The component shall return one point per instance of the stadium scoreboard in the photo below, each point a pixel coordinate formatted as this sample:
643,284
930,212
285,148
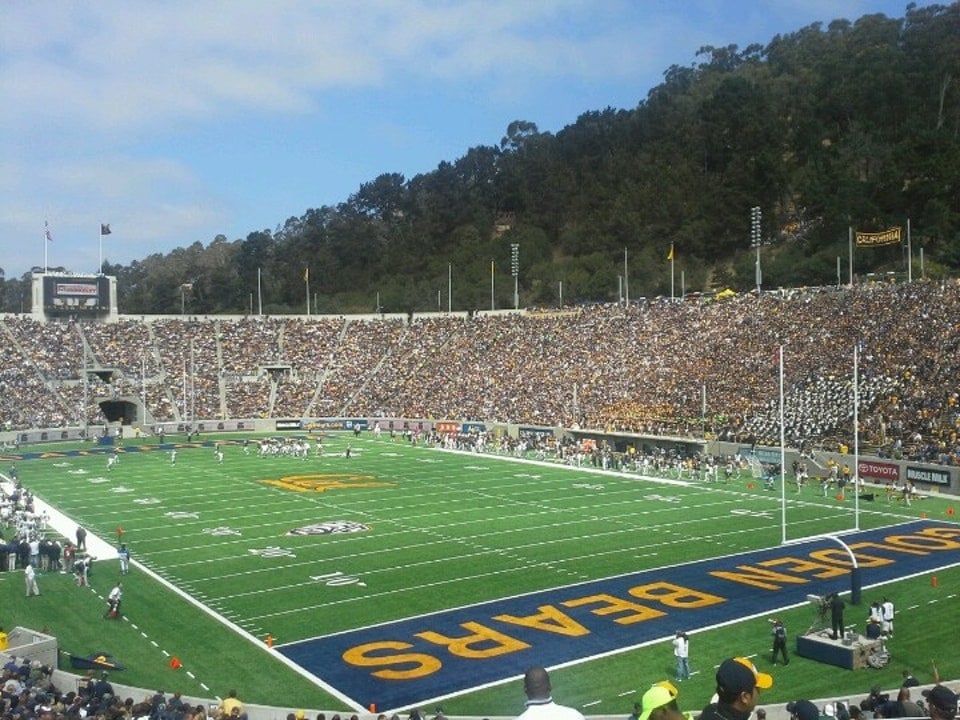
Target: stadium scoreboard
56,294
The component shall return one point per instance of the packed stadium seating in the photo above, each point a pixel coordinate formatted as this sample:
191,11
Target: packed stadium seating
660,367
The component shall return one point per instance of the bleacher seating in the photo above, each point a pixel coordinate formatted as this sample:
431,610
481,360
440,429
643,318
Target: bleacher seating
659,366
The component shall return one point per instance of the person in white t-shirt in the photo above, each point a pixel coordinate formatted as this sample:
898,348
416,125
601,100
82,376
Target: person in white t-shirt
681,653
114,599
886,608
30,578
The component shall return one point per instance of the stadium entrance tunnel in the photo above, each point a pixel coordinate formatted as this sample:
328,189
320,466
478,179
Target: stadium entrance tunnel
122,411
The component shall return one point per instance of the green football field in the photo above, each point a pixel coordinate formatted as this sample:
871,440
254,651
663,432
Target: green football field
299,548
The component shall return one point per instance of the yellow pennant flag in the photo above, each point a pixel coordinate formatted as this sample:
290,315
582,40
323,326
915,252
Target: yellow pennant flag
670,254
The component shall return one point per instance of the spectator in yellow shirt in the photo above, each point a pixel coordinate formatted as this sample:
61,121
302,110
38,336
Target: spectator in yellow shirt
231,707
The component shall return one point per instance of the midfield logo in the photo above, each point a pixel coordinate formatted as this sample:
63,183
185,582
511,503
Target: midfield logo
330,528
322,483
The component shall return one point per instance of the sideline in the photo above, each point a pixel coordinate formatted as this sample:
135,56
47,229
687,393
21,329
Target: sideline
101,550
97,548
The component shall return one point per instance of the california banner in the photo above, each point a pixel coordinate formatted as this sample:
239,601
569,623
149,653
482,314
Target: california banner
890,236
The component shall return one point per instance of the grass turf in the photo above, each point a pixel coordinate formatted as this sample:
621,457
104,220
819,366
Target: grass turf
447,530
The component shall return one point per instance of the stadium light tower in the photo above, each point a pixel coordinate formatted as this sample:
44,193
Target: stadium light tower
183,296
756,240
515,271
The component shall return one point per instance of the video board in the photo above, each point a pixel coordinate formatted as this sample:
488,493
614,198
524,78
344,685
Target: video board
76,294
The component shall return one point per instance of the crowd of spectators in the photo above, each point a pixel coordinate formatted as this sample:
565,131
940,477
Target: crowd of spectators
28,691
655,367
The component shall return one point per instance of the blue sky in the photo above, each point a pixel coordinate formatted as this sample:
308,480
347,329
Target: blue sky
179,120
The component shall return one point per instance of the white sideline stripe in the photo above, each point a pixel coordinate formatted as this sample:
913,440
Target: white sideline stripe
100,548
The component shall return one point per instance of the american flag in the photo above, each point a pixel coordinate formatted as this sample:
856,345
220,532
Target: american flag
46,232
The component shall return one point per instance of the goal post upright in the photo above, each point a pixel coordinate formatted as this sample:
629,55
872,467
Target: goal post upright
783,456
856,582
856,435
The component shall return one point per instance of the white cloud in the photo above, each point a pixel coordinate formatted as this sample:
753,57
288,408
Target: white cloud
150,205
113,110
128,66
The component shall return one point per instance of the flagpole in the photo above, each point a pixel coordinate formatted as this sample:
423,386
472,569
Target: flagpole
46,235
850,250
671,271
306,279
104,230
259,295
626,281
492,303
909,255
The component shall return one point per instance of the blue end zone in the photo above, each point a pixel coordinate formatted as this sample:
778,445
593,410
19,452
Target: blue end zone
410,662
100,448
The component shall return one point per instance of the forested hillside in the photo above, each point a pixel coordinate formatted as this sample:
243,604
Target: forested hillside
851,124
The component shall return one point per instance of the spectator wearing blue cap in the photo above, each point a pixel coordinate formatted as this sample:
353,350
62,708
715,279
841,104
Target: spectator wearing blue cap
941,702
738,690
803,710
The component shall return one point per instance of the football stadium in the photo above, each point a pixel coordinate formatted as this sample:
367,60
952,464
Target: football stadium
386,514
480,360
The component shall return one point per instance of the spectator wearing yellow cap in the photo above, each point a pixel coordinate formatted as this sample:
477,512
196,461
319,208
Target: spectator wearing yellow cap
656,694
659,703
738,689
